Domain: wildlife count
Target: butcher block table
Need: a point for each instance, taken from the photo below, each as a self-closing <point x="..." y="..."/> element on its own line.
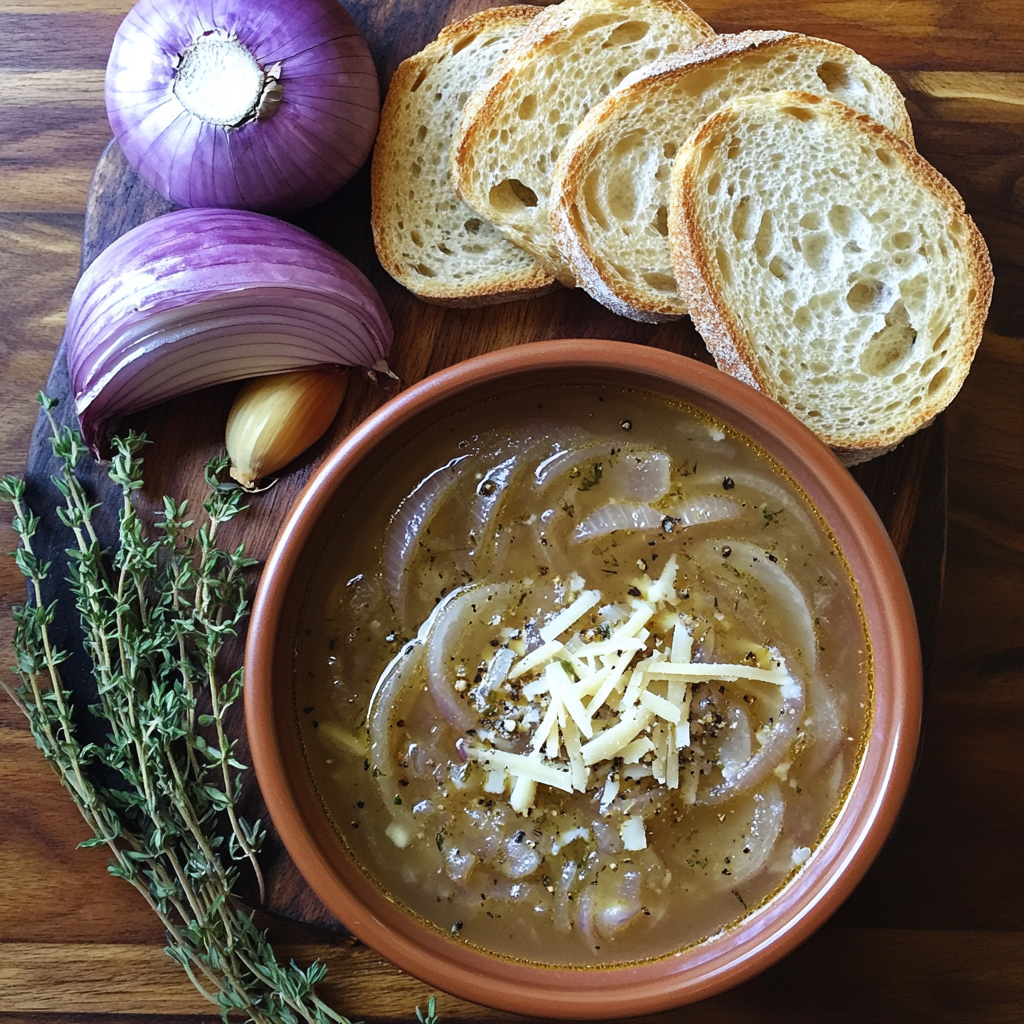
<point x="934" y="931"/>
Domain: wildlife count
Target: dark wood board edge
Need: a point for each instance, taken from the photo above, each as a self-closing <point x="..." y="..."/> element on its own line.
<point x="907" y="487"/>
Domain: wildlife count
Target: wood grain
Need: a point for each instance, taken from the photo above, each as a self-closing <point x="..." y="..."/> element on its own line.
<point x="933" y="932"/>
<point x="845" y="977"/>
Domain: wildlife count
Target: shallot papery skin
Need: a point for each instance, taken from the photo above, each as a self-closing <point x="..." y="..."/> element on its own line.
<point x="201" y="297"/>
<point x="303" y="122"/>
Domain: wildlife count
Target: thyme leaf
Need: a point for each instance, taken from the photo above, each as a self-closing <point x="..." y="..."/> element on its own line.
<point x="431" y="1016"/>
<point x="154" y="616"/>
<point x="596" y="472"/>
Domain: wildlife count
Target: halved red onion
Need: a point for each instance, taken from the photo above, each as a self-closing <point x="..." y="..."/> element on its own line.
<point x="255" y="105"/>
<point x="200" y="297"/>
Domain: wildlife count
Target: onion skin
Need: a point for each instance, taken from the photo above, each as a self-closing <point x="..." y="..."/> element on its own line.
<point x="202" y="297"/>
<point x="295" y="153"/>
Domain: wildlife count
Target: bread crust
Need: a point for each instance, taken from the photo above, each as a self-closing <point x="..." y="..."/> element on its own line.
<point x="486" y="107"/>
<point x="616" y="116"/>
<point x="735" y="349"/>
<point x="389" y="176"/>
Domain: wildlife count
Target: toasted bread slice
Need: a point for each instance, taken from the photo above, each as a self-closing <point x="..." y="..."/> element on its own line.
<point x="609" y="194"/>
<point x="516" y="124"/>
<point x="829" y="265"/>
<point x="427" y="238"/>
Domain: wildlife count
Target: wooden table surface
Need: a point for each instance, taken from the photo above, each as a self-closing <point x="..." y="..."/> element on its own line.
<point x="934" y="931"/>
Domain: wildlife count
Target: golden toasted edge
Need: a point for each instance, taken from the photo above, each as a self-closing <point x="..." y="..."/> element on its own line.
<point x="577" y="158"/>
<point x="485" y="105"/>
<point x="700" y="281"/>
<point x="503" y="288"/>
<point x="730" y="44"/>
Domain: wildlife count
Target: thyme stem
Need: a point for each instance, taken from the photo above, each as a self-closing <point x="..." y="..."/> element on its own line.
<point x="154" y="617"/>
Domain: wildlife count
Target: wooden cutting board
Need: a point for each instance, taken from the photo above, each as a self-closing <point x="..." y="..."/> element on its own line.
<point x="907" y="486"/>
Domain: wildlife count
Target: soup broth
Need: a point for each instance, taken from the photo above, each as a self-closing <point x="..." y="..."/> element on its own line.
<point x="583" y="677"/>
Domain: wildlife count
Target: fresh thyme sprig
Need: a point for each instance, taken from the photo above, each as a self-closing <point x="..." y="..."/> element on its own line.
<point x="154" y="617"/>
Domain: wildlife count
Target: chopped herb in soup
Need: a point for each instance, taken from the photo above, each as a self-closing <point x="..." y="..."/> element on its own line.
<point x="586" y="677"/>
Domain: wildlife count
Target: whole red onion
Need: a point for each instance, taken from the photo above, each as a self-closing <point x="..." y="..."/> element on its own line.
<point x="248" y="104"/>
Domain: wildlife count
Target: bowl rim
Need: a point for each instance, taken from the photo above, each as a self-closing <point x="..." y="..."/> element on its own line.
<point x="837" y="864"/>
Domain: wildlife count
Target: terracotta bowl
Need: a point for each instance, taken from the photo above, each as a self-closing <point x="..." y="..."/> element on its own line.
<point x="760" y="939"/>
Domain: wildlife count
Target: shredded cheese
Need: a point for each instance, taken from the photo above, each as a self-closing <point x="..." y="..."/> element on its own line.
<point x="665" y="587"/>
<point x="608" y="743"/>
<point x="713" y="672"/>
<point x="632" y="752"/>
<point x="634" y="835"/>
<point x="680" y="694"/>
<point x="524" y="792"/>
<point x="610" y="792"/>
<point x="540" y="737"/>
<point x="599" y="690"/>
<point x="661" y="707"/>
<point x="672" y="759"/>
<point x="682" y="644"/>
<point x="536" y="658"/>
<point x="570" y="616"/>
<point x="520" y="766"/>
<point x="615" y="673"/>
<point x="561" y="684"/>
<point x="602" y="648"/>
<point x="578" y="770"/>
<point x="636" y="622"/>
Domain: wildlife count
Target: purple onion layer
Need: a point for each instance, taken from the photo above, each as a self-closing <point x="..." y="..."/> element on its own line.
<point x="200" y="297"/>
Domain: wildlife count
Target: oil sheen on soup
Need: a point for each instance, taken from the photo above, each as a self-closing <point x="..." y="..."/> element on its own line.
<point x="582" y="676"/>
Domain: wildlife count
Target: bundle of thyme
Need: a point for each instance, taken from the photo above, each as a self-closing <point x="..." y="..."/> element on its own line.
<point x="160" y="790"/>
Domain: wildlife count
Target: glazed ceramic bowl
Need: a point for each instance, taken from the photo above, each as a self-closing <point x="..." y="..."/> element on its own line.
<point x="763" y="936"/>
